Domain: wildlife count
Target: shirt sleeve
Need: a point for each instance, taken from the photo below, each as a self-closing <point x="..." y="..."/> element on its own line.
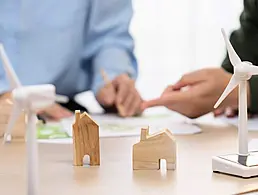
<point x="109" y="41"/>
<point x="245" y="41"/>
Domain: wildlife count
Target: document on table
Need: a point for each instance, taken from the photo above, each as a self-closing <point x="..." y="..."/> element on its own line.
<point x="114" y="126"/>
<point x="252" y="123"/>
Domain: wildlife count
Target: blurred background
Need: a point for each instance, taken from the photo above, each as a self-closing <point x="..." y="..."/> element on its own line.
<point x="175" y="37"/>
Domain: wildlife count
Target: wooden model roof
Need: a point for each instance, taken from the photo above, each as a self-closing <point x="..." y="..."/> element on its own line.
<point x="85" y="116"/>
<point x="159" y="133"/>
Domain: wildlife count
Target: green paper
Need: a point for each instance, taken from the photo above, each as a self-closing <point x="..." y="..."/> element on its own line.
<point x="50" y="132"/>
<point x="117" y="127"/>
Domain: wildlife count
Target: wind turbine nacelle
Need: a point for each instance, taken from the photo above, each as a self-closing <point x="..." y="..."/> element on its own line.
<point x="35" y="97"/>
<point x="242" y="70"/>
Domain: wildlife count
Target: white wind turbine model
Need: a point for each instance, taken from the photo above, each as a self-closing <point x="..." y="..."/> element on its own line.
<point x="15" y="83"/>
<point x="29" y="99"/>
<point x="243" y="164"/>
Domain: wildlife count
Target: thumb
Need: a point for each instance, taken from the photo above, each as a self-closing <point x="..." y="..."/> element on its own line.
<point x="106" y="95"/>
<point x="168" y="90"/>
<point x="190" y="79"/>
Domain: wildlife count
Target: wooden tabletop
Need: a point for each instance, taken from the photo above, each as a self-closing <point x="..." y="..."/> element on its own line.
<point x="115" y="175"/>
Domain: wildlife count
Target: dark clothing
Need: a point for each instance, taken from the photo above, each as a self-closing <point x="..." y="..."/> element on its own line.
<point x="73" y="105"/>
<point x="245" y="43"/>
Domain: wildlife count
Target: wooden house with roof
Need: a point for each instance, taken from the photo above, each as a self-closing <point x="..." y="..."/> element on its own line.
<point x="152" y="148"/>
<point x="85" y="139"/>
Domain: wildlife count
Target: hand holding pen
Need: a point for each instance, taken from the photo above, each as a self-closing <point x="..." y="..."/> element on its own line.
<point x="122" y="93"/>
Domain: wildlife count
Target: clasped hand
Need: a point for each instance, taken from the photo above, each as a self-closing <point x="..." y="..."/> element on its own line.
<point x="121" y="92"/>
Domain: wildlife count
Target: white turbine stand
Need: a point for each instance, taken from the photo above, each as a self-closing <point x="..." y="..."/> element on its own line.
<point x="244" y="164"/>
<point x="28" y="99"/>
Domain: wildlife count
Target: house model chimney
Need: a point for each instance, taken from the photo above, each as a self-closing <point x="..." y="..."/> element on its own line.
<point x="144" y="133"/>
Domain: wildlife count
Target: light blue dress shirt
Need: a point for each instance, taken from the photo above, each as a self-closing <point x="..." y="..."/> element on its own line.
<point x="67" y="42"/>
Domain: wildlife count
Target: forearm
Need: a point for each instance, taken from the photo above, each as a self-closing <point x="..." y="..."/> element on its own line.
<point x="109" y="43"/>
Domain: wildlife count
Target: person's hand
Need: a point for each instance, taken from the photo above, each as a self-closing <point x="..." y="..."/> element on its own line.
<point x="55" y="113"/>
<point x="196" y="93"/>
<point x="122" y="93"/>
<point x="229" y="112"/>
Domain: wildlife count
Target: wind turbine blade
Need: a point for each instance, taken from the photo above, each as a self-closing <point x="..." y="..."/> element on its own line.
<point x="13" y="79"/>
<point x="234" y="59"/>
<point x="16" y="112"/>
<point x="253" y="70"/>
<point x="231" y="85"/>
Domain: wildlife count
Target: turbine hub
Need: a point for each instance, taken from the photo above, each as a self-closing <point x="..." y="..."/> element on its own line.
<point x="241" y="72"/>
<point x="20" y="96"/>
<point x="35" y="97"/>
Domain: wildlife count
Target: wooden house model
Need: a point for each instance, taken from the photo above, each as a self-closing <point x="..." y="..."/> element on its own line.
<point x="152" y="148"/>
<point x="85" y="139"/>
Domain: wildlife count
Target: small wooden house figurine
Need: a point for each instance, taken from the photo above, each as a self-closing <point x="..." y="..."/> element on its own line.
<point x="152" y="148"/>
<point x="85" y="139"/>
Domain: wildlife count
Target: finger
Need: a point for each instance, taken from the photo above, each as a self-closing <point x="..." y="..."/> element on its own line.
<point x="122" y="85"/>
<point x="56" y="112"/>
<point x="167" y="90"/>
<point x="218" y="112"/>
<point x="152" y="103"/>
<point x="63" y="112"/>
<point x="168" y="100"/>
<point x="122" y="93"/>
<point x="135" y="107"/>
<point x="190" y="79"/>
<point x="128" y="103"/>
<point x="66" y="113"/>
<point x="230" y="112"/>
<point x="106" y="95"/>
<point x="135" y="103"/>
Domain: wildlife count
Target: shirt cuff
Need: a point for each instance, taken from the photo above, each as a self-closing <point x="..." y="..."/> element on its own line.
<point x="114" y="61"/>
